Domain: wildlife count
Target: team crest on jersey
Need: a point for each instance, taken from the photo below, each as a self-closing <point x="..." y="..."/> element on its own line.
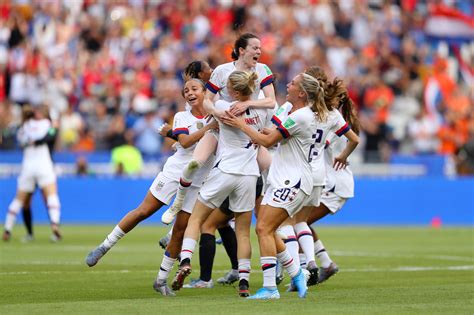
<point x="199" y="124"/>
<point x="159" y="185"/>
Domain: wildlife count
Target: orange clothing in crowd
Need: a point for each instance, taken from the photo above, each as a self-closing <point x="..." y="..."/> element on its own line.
<point x="453" y="137"/>
<point x="379" y="99"/>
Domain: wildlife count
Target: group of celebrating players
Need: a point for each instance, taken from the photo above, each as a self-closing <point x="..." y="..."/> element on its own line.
<point x="235" y="152"/>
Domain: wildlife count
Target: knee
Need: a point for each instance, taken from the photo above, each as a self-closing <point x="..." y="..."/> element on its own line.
<point x="261" y="229"/>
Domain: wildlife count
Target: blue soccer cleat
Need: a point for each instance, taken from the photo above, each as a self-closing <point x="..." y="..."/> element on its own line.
<point x="265" y="294"/>
<point x="299" y="282"/>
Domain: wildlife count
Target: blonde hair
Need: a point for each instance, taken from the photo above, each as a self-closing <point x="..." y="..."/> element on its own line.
<point x="243" y="82"/>
<point x="315" y="95"/>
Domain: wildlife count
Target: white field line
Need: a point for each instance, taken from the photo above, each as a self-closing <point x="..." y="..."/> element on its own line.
<point x="401" y="255"/>
<point x="397" y="269"/>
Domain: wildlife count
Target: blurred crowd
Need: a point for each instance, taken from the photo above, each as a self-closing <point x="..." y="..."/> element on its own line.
<point x="110" y="71"/>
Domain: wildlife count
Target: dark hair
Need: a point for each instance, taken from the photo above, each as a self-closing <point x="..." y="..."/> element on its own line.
<point x="27" y="113"/>
<point x="341" y="100"/>
<point x="241" y="42"/>
<point x="349" y="112"/>
<point x="192" y="70"/>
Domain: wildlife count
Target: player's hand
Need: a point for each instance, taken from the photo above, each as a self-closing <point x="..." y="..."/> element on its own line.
<point x="213" y="125"/>
<point x="163" y="130"/>
<point x="232" y="120"/>
<point x="238" y="108"/>
<point x="340" y="163"/>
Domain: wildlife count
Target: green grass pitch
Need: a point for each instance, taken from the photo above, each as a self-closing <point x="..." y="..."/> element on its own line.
<point x="392" y="270"/>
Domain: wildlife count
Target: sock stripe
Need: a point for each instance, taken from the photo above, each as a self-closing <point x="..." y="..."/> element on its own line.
<point x="268" y="266"/>
<point x="290" y="239"/>
<point x="288" y="262"/>
<point x="305" y="233"/>
<point x="184" y="183"/>
<point x="322" y="250"/>
<point x="187" y="250"/>
<point x="244" y="271"/>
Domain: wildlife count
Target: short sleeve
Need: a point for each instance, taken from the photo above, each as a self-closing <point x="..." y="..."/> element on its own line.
<point x="340" y="126"/>
<point x="215" y="82"/>
<point x="293" y="124"/>
<point x="265" y="75"/>
<point x="281" y="113"/>
<point x="180" y="125"/>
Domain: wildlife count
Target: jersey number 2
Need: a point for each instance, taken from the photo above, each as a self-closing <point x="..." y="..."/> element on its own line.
<point x="317" y="139"/>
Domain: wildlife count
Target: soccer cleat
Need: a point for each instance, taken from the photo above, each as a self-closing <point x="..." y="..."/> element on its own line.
<point x="6" y="236"/>
<point x="28" y="238"/>
<point x="199" y="284"/>
<point x="229" y="278"/>
<point x="164" y="241"/>
<point x="313" y="273"/>
<point x="94" y="256"/>
<point x="183" y="272"/>
<point x="55" y="237"/>
<point x="169" y="215"/>
<point x="244" y="288"/>
<point x="279" y="273"/>
<point x="326" y="273"/>
<point x="265" y="294"/>
<point x="299" y="282"/>
<point x="161" y="287"/>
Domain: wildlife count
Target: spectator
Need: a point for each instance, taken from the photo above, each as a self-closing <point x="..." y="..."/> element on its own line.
<point x="126" y="158"/>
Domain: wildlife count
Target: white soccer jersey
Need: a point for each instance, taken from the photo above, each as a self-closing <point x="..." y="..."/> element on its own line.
<point x="334" y="123"/>
<point x="290" y="166"/>
<point x="340" y="182"/>
<point x="186" y="123"/>
<point x="220" y="75"/>
<point x="35" y="155"/>
<point x="237" y="154"/>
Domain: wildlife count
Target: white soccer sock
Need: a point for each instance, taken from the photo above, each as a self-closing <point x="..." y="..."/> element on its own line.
<point x="187" y="178"/>
<point x="166" y="266"/>
<point x="305" y="239"/>
<point x="322" y="254"/>
<point x="170" y="232"/>
<point x="187" y="248"/>
<point x="113" y="237"/>
<point x="244" y="269"/>
<point x="13" y="210"/>
<point x="288" y="263"/>
<point x="302" y="261"/>
<point x="291" y="243"/>
<point x="54" y="209"/>
<point x="269" y="271"/>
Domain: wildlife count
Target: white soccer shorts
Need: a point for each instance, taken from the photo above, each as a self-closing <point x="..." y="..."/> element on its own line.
<point x="290" y="199"/>
<point x="332" y="201"/>
<point x="239" y="188"/>
<point x="315" y="197"/>
<point x="164" y="189"/>
<point x="29" y="178"/>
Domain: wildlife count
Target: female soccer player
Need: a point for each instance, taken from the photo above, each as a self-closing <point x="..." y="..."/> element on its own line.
<point x="246" y="53"/>
<point x="290" y="178"/>
<point x="332" y="123"/>
<point x="201" y="70"/>
<point x="37" y="169"/>
<point x="235" y="175"/>
<point x="189" y="127"/>
<point x="339" y="185"/>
